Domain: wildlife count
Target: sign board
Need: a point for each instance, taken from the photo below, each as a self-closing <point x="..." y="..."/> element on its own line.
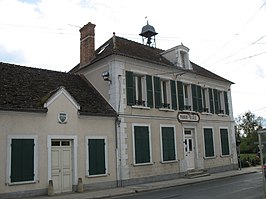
<point x="188" y="117"/>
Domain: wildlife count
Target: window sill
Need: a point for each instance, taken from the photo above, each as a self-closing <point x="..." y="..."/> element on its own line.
<point x="20" y="183"/>
<point x="142" y="164"/>
<point x="97" y="175"/>
<point x="141" y="107"/>
<point x="166" y="110"/>
<point x="225" y="156"/>
<point x="170" y="161"/>
<point x="222" y="115"/>
<point x="209" y="158"/>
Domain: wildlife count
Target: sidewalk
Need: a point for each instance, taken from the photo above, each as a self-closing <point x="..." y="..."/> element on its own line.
<point x="148" y="186"/>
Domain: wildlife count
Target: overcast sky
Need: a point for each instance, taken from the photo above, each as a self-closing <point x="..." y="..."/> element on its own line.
<point x="227" y="37"/>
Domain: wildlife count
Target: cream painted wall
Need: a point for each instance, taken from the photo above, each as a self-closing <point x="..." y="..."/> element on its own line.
<point x="43" y="125"/>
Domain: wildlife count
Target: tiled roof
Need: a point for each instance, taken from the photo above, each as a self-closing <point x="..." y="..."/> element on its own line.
<point x="27" y="89"/>
<point x="128" y="48"/>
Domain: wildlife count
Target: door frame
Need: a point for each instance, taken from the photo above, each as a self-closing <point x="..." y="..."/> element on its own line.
<point x="73" y="139"/>
<point x="194" y="141"/>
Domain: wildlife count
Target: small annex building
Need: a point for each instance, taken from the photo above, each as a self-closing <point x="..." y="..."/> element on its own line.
<point x="51" y="128"/>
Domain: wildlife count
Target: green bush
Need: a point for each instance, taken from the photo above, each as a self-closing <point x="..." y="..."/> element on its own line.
<point x="248" y="160"/>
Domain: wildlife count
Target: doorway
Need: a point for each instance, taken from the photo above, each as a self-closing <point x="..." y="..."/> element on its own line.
<point x="189" y="148"/>
<point x="61" y="165"/>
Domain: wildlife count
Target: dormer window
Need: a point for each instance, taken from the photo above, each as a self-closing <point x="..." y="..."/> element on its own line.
<point x="184" y="59"/>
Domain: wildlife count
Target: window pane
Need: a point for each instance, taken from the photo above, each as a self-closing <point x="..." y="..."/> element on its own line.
<point x="22" y="160"/>
<point x="142" y="144"/>
<point x="224" y="141"/>
<point x="208" y="140"/>
<point x="96" y="156"/>
<point x="168" y="142"/>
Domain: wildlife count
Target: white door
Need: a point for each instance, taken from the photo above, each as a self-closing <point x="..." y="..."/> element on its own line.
<point x="189" y="149"/>
<point x="61" y="165"/>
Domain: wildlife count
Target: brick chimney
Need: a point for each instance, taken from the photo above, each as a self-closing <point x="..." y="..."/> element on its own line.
<point x="87" y="44"/>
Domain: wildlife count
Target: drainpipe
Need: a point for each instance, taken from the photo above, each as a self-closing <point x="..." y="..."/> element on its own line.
<point x="118" y="152"/>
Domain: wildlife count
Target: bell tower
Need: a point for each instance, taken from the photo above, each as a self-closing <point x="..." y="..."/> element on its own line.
<point x="148" y="35"/>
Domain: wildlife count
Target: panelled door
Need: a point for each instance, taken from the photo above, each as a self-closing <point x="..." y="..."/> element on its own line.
<point x="61" y="165"/>
<point x="189" y="149"/>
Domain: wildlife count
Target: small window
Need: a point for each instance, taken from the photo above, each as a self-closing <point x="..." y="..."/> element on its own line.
<point x="168" y="144"/>
<point x="96" y="157"/>
<point x="208" y="141"/>
<point x="224" y="141"/>
<point x="165" y="88"/>
<point x="22" y="160"/>
<point x="142" y="151"/>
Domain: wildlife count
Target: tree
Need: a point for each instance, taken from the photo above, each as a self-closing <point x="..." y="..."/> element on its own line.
<point x="247" y="126"/>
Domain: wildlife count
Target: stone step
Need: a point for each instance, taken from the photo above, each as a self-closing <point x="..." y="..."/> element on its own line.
<point x="196" y="173"/>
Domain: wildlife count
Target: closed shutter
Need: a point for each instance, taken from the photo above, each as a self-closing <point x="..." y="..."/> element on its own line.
<point x="208" y="141"/>
<point x="168" y="142"/>
<point x="157" y="92"/>
<point x="224" y="141"/>
<point x="130" y="88"/>
<point x="226" y="103"/>
<point x="173" y="95"/>
<point x="199" y="98"/>
<point x="194" y="97"/>
<point x="149" y="91"/>
<point x="180" y="95"/>
<point x="216" y="101"/>
<point x="211" y="100"/>
<point x="22" y="160"/>
<point x="142" y="144"/>
<point x="96" y="156"/>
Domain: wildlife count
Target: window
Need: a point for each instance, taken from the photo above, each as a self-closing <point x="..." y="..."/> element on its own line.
<point x="224" y="141"/>
<point x="96" y="156"/>
<point x="187" y="97"/>
<point x="205" y="100"/>
<point x="184" y="59"/>
<point x="208" y="141"/>
<point x="22" y="160"/>
<point x="139" y="89"/>
<point x="168" y="144"/>
<point x="165" y="94"/>
<point x="141" y="139"/>
<point x="196" y="98"/>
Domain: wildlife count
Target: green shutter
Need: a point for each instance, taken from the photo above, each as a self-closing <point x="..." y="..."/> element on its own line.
<point x="180" y="95"/>
<point x="208" y="141"/>
<point x="149" y="91"/>
<point x="224" y="141"/>
<point x="96" y="156"/>
<point x="199" y="99"/>
<point x="168" y="143"/>
<point x="226" y="103"/>
<point x="142" y="144"/>
<point x="211" y="100"/>
<point x="22" y="160"/>
<point x="216" y="101"/>
<point x="173" y="95"/>
<point x="194" y="97"/>
<point x="130" y="88"/>
<point x="157" y="92"/>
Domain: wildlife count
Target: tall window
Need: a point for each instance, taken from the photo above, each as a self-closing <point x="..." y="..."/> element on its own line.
<point x="168" y="144"/>
<point x="165" y="88"/>
<point x="139" y="89"/>
<point x="141" y="139"/>
<point x="208" y="142"/>
<point x="205" y="100"/>
<point x="224" y="141"/>
<point x="184" y="59"/>
<point x="96" y="156"/>
<point x="22" y="165"/>
<point x="187" y="97"/>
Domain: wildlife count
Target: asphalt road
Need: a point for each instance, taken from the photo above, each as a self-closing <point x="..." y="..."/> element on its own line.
<point x="248" y="186"/>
